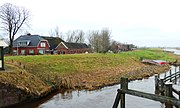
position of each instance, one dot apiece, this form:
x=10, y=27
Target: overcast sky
x=140, y=22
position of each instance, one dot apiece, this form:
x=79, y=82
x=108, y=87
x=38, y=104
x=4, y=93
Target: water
x=173, y=50
x=104, y=98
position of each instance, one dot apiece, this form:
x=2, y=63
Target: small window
x=23, y=52
x=23, y=43
x=55, y=52
x=43, y=44
x=62, y=52
x=31, y=51
x=41, y=51
x=15, y=52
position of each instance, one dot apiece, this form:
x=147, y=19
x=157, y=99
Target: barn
x=72, y=48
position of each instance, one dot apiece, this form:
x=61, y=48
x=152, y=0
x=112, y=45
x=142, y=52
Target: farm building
x=30, y=45
x=72, y=48
x=53, y=42
x=125, y=47
x=36, y=44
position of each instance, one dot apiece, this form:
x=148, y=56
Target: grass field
x=73, y=63
x=84, y=70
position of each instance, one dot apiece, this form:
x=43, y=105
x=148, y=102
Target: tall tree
x=13, y=18
x=56, y=33
x=100, y=40
x=94, y=40
x=76, y=36
x=105, y=39
x=79, y=38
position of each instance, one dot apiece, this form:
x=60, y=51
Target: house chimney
x=29, y=34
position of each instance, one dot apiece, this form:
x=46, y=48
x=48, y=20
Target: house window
x=41, y=51
x=23, y=52
x=15, y=52
x=31, y=51
x=62, y=52
x=55, y=52
x=43, y=44
x=23, y=43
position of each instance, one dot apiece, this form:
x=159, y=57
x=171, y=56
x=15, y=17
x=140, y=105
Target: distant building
x=72, y=48
x=125, y=47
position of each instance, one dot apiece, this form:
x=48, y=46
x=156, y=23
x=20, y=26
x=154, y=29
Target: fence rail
x=165, y=87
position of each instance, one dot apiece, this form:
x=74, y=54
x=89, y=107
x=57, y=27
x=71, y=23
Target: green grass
x=84, y=62
x=153, y=54
x=52, y=67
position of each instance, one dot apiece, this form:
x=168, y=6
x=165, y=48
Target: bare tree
x=94, y=40
x=105, y=39
x=100, y=40
x=79, y=36
x=76, y=36
x=56, y=33
x=70, y=36
x=13, y=18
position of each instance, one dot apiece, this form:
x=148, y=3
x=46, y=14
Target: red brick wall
x=36, y=49
x=27, y=50
x=61, y=48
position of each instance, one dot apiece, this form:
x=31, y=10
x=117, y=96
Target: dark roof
x=76, y=45
x=33, y=40
x=53, y=41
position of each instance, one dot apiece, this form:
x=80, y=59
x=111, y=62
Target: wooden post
x=165, y=75
x=168, y=89
x=169, y=93
x=2, y=59
x=175, y=77
x=156, y=82
x=175, y=74
x=124, y=86
x=162, y=87
x=118, y=97
x=170, y=74
x=179, y=72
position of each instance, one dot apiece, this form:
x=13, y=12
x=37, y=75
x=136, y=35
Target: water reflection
x=66, y=95
x=173, y=50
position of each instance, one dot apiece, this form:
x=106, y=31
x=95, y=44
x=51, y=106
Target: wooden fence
x=167, y=80
x=166, y=89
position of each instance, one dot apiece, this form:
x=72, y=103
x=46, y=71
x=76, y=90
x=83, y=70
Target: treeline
x=98, y=40
x=13, y=18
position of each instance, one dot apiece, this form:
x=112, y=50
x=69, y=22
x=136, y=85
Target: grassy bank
x=19, y=78
x=84, y=71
